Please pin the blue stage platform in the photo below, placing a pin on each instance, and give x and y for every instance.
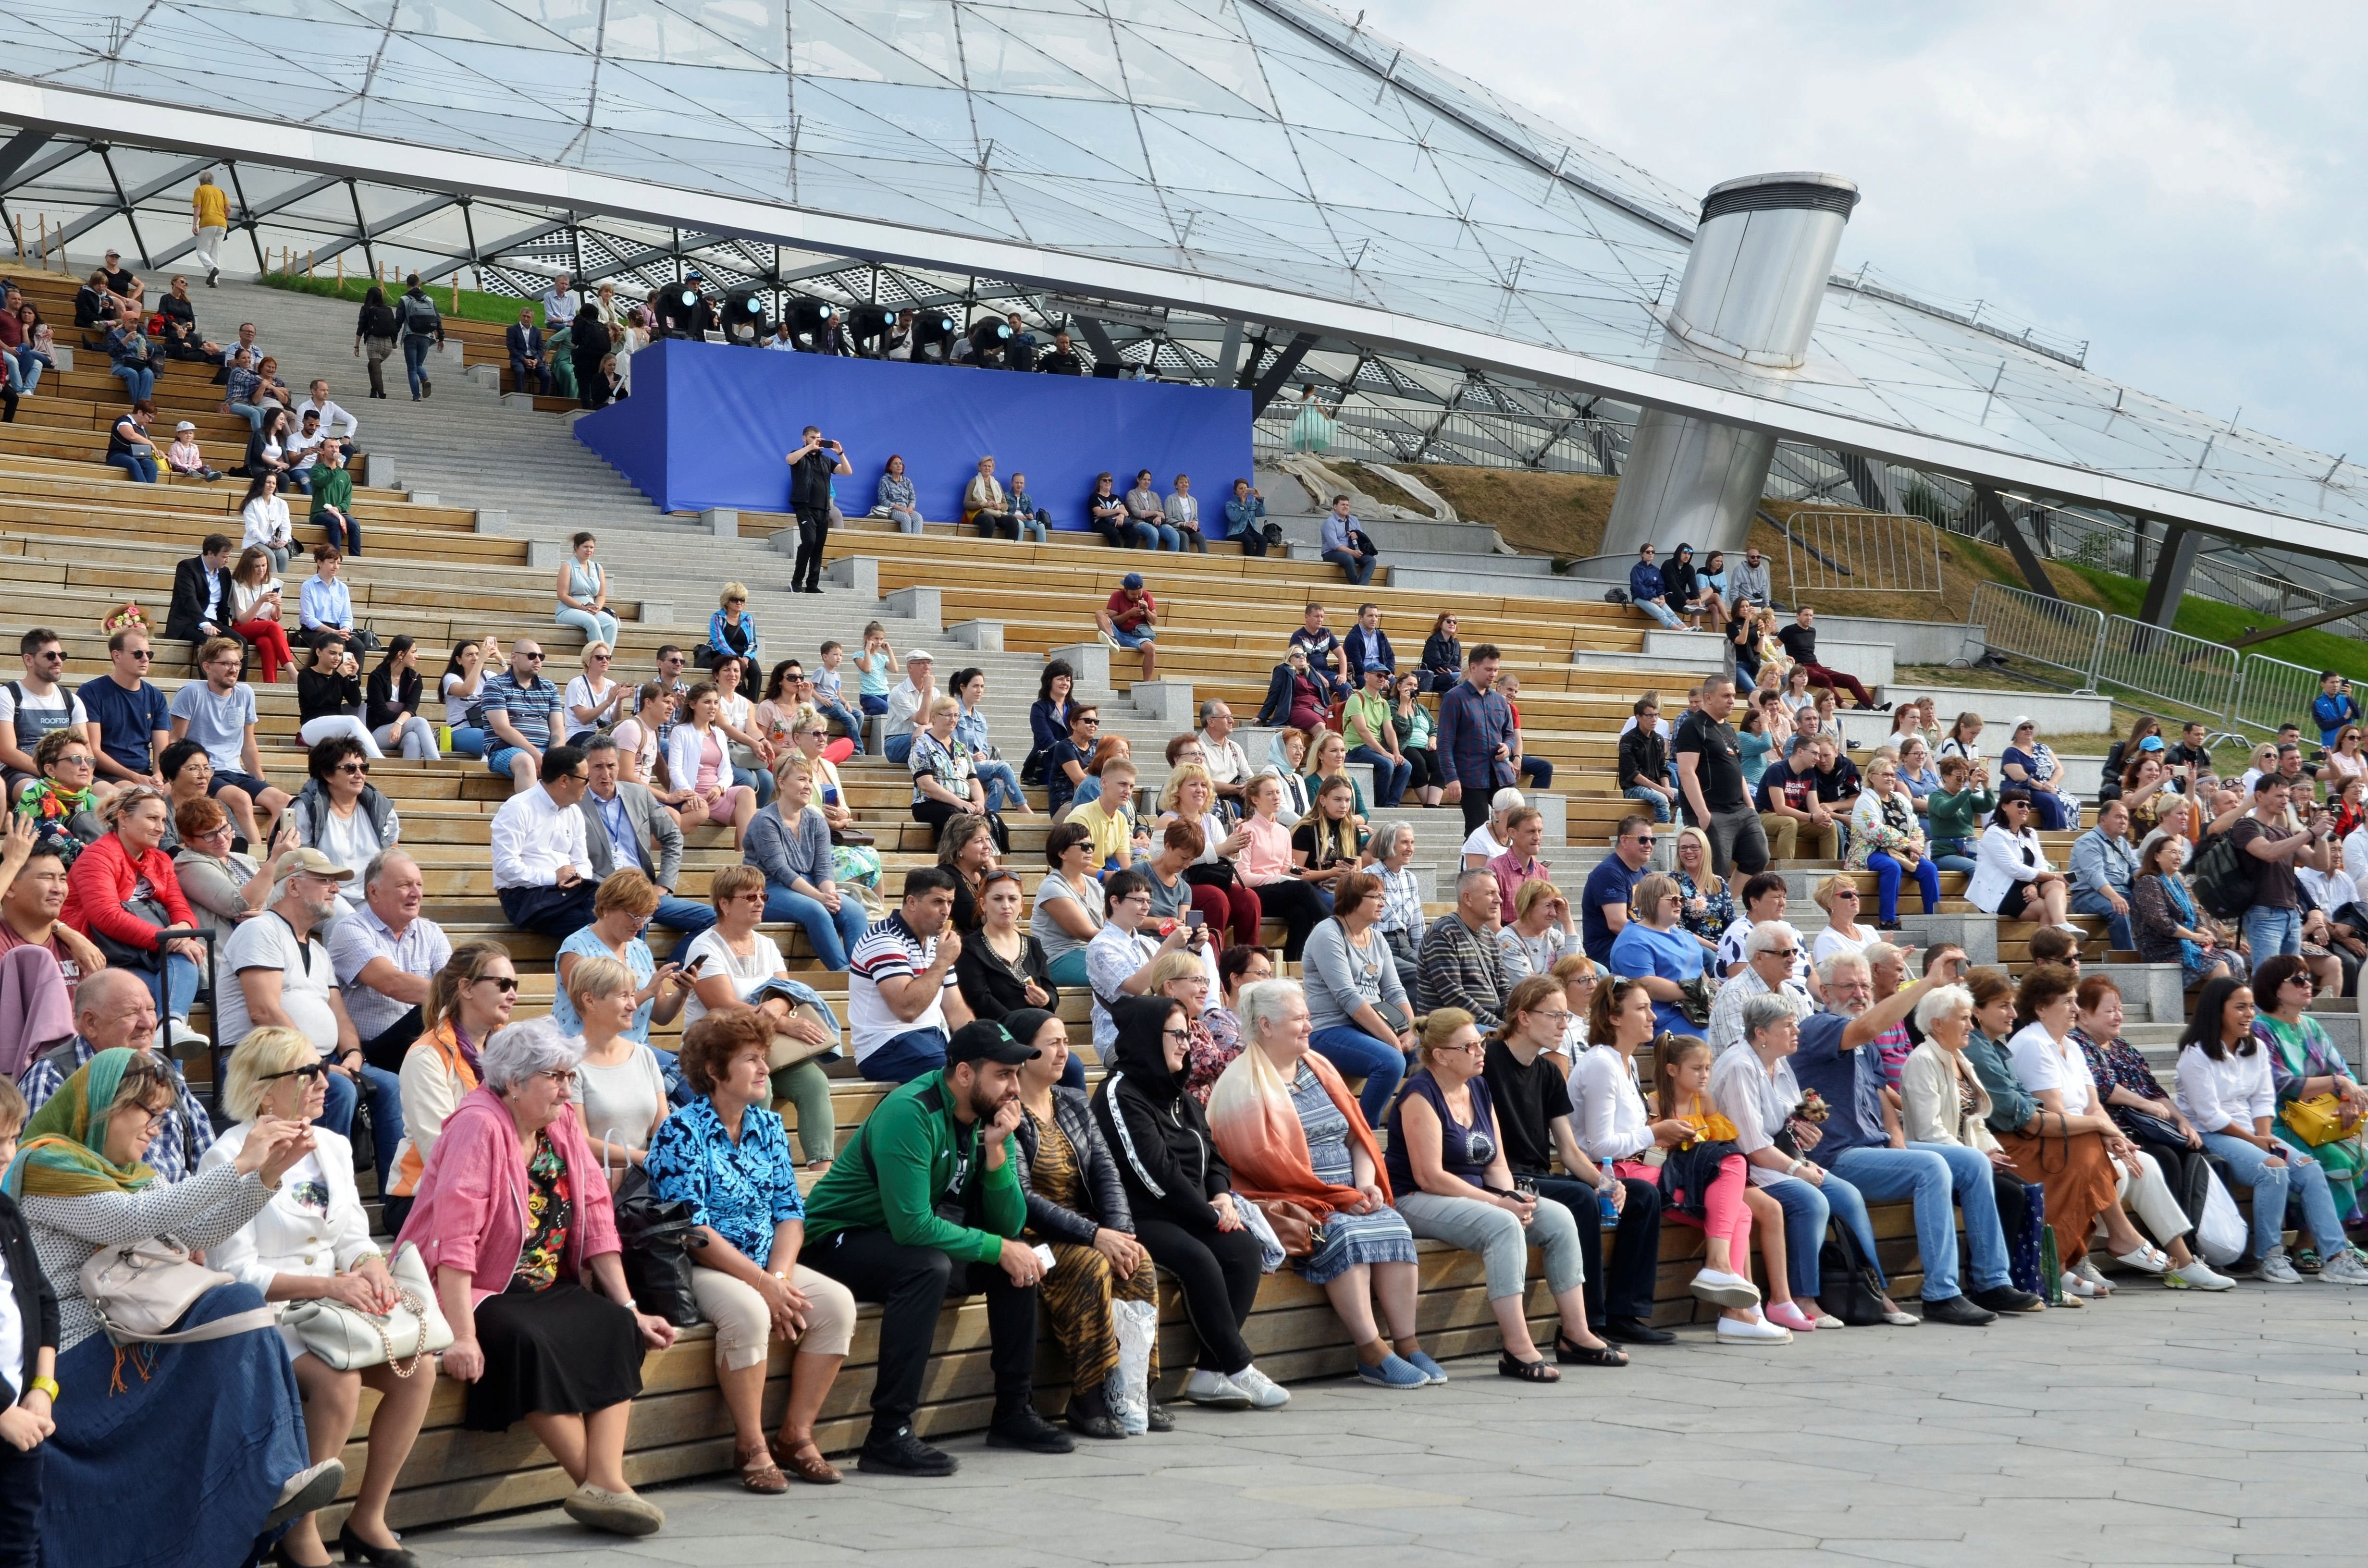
(709, 426)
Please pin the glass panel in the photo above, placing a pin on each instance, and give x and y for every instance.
(1055, 56)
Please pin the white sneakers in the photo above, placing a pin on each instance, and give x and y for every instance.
(181, 1042)
(1264, 1391)
(2274, 1269)
(2344, 1270)
(2195, 1275)
(1752, 1331)
(1723, 1289)
(1248, 1389)
(1216, 1390)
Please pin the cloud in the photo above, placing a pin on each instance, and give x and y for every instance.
(2178, 186)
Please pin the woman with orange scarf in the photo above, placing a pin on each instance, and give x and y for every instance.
(1290, 1131)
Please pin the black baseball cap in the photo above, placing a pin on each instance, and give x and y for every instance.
(983, 1039)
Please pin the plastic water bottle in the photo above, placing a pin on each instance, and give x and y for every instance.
(1603, 1202)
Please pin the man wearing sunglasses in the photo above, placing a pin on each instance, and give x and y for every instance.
(1604, 901)
(130, 719)
(31, 707)
(1771, 954)
(277, 972)
(519, 705)
(114, 1008)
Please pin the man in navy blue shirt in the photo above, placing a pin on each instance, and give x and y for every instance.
(2334, 707)
(1838, 1060)
(1650, 593)
(1605, 901)
(134, 719)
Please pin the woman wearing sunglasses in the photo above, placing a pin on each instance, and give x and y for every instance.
(471, 998)
(2012, 879)
(339, 813)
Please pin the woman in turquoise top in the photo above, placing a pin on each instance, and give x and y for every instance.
(584, 594)
(1754, 745)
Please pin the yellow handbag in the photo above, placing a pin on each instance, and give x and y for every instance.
(2318, 1120)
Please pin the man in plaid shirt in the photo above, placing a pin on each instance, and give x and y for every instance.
(1476, 736)
(114, 1008)
(1459, 965)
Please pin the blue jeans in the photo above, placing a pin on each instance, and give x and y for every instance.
(1926, 1174)
(386, 1092)
(1806, 1210)
(1390, 775)
(468, 740)
(140, 468)
(1033, 532)
(871, 704)
(685, 915)
(1954, 863)
(1131, 639)
(848, 721)
(832, 935)
(415, 362)
(1356, 1053)
(175, 987)
(1652, 800)
(2301, 1174)
(139, 380)
(1002, 785)
(906, 1057)
(250, 412)
(1131, 535)
(1357, 569)
(1661, 613)
(2117, 925)
(755, 779)
(1538, 771)
(2273, 931)
(898, 749)
(1887, 874)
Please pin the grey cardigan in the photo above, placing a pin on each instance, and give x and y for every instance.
(1338, 979)
(1073, 1112)
(785, 856)
(661, 837)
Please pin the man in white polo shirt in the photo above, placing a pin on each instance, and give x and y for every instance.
(901, 1001)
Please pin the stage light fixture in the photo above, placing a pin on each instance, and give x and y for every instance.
(868, 325)
(932, 331)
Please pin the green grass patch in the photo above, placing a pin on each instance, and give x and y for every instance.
(2217, 622)
(475, 305)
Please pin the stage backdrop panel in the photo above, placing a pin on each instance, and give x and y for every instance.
(711, 426)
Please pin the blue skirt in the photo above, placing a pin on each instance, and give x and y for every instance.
(180, 1465)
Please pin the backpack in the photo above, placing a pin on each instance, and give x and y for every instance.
(420, 316)
(2222, 878)
(1846, 1285)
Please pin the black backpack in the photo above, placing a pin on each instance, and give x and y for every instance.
(2223, 878)
(420, 316)
(1846, 1284)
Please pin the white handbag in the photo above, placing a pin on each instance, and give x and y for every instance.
(140, 1290)
(346, 1338)
(2221, 1236)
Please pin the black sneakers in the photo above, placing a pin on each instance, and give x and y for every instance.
(1959, 1311)
(901, 1453)
(2007, 1299)
(1023, 1428)
(1636, 1331)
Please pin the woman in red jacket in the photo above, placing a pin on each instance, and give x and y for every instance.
(122, 895)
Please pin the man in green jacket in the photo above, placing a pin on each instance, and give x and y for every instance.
(924, 1203)
(333, 498)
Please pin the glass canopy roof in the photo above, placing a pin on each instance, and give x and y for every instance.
(1268, 143)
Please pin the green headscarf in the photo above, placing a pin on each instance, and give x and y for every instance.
(63, 1153)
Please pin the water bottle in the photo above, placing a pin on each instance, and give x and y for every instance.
(1610, 1210)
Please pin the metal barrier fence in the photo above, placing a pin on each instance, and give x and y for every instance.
(2186, 674)
(2270, 692)
(1845, 551)
(2038, 630)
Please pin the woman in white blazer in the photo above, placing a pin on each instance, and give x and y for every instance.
(312, 1241)
(2011, 877)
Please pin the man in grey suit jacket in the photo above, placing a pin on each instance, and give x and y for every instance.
(625, 826)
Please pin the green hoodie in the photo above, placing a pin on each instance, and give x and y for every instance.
(1952, 814)
(910, 1155)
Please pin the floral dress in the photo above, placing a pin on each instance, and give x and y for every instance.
(550, 1213)
(1346, 1240)
(1882, 824)
(1216, 1041)
(1716, 911)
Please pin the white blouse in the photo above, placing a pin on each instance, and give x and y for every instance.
(1611, 1120)
(314, 1225)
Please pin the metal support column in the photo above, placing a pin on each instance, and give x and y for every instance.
(2017, 545)
(2166, 585)
(1285, 363)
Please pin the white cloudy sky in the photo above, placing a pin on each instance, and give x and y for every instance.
(2180, 183)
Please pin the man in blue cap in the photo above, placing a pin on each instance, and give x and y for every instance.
(1128, 620)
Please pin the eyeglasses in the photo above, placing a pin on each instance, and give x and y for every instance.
(149, 1115)
(502, 983)
(76, 760)
(310, 1072)
(1559, 1016)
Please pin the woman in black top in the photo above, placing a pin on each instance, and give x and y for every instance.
(393, 712)
(589, 343)
(374, 336)
(1106, 511)
(1742, 636)
(1002, 968)
(330, 687)
(1442, 656)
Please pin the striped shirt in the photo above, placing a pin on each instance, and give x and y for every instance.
(890, 950)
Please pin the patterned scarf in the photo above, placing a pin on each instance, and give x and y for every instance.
(64, 1152)
(1252, 1119)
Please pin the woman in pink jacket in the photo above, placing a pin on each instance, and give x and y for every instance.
(513, 1220)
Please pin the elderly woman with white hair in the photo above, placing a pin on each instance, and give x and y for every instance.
(1942, 1100)
(312, 1242)
(1487, 841)
(1387, 856)
(514, 1223)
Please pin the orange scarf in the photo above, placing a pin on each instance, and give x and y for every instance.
(1250, 1117)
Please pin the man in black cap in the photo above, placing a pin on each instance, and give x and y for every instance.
(925, 1203)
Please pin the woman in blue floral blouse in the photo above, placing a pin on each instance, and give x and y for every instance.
(1705, 907)
(728, 1157)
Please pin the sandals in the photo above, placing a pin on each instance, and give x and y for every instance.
(758, 1473)
(1573, 1355)
(804, 1461)
(1538, 1372)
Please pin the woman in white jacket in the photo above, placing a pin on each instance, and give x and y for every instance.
(699, 758)
(313, 1241)
(2224, 1089)
(2011, 877)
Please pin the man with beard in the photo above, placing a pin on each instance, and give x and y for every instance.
(1839, 1059)
(926, 1202)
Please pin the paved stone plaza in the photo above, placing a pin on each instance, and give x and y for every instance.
(2158, 1428)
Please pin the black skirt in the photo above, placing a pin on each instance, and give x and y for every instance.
(562, 1351)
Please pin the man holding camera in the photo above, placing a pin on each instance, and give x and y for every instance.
(812, 467)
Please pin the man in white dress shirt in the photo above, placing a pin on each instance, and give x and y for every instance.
(542, 867)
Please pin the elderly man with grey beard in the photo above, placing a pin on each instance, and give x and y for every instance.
(1770, 955)
(386, 955)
